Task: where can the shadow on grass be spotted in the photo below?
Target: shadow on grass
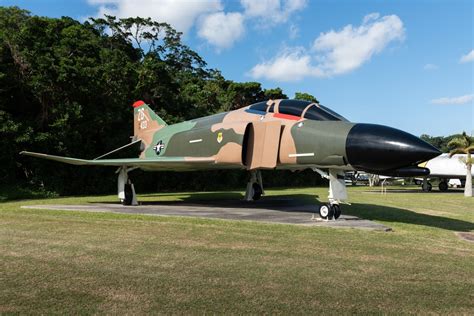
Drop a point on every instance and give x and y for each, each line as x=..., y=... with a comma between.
x=450, y=191
x=398, y=215
x=309, y=203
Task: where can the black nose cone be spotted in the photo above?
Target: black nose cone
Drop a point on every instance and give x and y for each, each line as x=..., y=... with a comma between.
x=375, y=148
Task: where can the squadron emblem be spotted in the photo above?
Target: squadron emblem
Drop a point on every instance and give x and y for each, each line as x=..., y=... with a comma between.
x=219, y=137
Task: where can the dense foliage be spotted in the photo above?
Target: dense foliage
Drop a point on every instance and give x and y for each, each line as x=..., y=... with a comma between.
x=441, y=142
x=66, y=89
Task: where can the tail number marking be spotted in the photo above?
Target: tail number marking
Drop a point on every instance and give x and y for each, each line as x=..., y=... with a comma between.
x=142, y=118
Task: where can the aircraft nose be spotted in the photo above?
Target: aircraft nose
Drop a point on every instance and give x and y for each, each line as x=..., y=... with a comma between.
x=374, y=148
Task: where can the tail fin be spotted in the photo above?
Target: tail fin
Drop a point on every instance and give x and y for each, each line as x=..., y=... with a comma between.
x=145, y=122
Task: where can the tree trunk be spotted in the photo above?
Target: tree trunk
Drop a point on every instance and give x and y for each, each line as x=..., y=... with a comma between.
x=468, y=186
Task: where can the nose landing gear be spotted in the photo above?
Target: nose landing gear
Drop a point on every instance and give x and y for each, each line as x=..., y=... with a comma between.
x=330, y=211
x=337, y=193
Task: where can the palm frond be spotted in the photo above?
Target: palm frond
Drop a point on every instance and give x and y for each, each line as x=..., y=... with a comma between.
x=467, y=138
x=456, y=151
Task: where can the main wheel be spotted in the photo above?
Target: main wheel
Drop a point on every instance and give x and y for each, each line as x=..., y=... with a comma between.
x=337, y=210
x=427, y=188
x=443, y=186
x=128, y=194
x=257, y=191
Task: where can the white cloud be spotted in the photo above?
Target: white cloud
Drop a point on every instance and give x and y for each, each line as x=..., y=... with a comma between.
x=288, y=66
x=468, y=57
x=273, y=10
x=430, y=67
x=222, y=29
x=347, y=49
x=219, y=28
x=181, y=14
x=454, y=100
x=335, y=52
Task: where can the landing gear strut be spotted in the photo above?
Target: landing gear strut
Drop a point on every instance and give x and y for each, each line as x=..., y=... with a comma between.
x=126, y=190
x=254, y=186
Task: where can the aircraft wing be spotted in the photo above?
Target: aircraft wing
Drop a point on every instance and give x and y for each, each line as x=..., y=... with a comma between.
x=155, y=163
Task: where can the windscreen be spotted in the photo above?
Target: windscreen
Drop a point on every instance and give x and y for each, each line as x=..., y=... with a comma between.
x=322, y=113
x=292, y=107
x=260, y=106
x=342, y=118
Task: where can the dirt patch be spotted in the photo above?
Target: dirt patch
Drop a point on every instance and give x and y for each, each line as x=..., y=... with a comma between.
x=466, y=236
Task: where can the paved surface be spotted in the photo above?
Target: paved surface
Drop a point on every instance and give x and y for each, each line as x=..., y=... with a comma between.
x=285, y=211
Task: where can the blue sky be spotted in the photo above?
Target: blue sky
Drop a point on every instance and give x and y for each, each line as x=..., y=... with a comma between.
x=406, y=64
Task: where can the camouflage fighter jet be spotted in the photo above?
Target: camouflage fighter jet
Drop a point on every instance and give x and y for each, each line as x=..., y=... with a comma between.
x=275, y=134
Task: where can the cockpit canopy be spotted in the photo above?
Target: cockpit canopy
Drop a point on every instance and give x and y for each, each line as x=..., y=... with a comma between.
x=300, y=108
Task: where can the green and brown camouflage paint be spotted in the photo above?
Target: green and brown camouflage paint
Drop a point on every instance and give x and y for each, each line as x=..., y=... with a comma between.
x=221, y=139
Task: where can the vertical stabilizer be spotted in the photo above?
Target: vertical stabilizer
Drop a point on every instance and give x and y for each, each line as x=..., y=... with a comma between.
x=145, y=122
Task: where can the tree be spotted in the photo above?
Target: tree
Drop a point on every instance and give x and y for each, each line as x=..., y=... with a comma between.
x=305, y=96
x=273, y=94
x=66, y=88
x=439, y=142
x=464, y=144
x=240, y=94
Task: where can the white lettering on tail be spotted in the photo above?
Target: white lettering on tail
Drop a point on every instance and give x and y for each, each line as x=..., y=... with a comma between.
x=142, y=118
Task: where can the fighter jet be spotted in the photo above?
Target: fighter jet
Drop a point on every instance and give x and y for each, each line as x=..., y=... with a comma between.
x=274, y=134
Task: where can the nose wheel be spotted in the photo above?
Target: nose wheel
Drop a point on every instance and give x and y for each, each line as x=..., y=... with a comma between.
x=337, y=194
x=330, y=211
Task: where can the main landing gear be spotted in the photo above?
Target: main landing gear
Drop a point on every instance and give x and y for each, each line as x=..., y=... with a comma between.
x=126, y=190
x=426, y=185
x=337, y=193
x=254, y=186
x=443, y=186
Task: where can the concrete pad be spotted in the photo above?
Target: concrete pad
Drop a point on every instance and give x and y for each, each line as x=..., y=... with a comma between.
x=284, y=211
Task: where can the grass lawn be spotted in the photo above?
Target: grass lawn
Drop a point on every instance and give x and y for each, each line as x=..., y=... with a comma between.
x=75, y=262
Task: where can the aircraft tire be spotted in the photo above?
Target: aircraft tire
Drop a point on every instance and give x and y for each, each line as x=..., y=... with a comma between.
x=443, y=186
x=428, y=187
x=337, y=210
x=128, y=194
x=257, y=191
x=331, y=211
x=324, y=211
